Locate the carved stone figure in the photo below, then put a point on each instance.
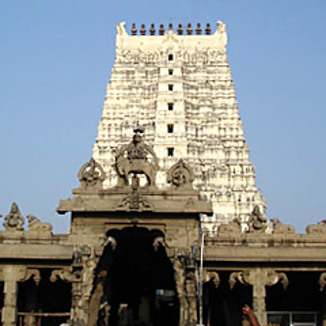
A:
(221, 27)
(180, 175)
(221, 31)
(133, 158)
(257, 221)
(111, 241)
(317, 229)
(34, 224)
(91, 175)
(121, 30)
(77, 256)
(211, 276)
(15, 220)
(134, 201)
(158, 241)
(280, 228)
(234, 277)
(234, 227)
(66, 275)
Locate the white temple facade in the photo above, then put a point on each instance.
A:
(177, 85)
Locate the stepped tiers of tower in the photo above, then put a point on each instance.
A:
(179, 88)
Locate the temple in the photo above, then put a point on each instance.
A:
(139, 252)
(178, 86)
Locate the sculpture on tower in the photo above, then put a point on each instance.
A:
(91, 175)
(14, 220)
(137, 158)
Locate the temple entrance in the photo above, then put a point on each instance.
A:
(136, 279)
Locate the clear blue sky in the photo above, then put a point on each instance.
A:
(56, 58)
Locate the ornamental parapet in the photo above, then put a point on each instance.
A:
(272, 242)
(136, 166)
(154, 41)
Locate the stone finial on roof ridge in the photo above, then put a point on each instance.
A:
(91, 175)
(121, 30)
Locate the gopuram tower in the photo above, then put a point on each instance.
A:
(177, 86)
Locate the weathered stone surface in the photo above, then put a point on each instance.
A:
(318, 229)
(257, 222)
(91, 176)
(233, 227)
(259, 278)
(36, 251)
(280, 228)
(11, 275)
(34, 224)
(133, 159)
(14, 220)
(181, 176)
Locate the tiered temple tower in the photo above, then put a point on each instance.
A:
(177, 85)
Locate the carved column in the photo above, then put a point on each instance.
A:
(180, 281)
(191, 297)
(69, 276)
(80, 275)
(186, 287)
(259, 278)
(11, 275)
(87, 286)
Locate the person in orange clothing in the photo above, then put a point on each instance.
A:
(247, 311)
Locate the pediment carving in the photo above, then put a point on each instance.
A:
(181, 176)
(91, 175)
(134, 201)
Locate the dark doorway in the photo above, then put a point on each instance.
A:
(139, 282)
(302, 303)
(46, 304)
(223, 305)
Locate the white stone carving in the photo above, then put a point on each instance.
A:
(207, 130)
(121, 29)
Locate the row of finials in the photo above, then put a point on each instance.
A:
(161, 30)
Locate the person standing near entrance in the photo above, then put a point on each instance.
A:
(247, 312)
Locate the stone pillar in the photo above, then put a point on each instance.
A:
(191, 297)
(70, 276)
(9, 311)
(11, 275)
(186, 287)
(81, 277)
(259, 278)
(180, 280)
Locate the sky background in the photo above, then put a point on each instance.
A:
(55, 62)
